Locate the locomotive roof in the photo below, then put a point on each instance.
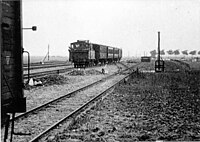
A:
(87, 41)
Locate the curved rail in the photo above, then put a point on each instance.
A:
(185, 65)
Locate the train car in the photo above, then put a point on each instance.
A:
(12, 95)
(120, 54)
(100, 53)
(116, 54)
(82, 54)
(110, 54)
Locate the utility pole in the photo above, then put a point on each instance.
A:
(48, 52)
(158, 47)
(47, 55)
(159, 64)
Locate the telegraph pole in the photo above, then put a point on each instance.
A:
(48, 52)
(158, 47)
(159, 64)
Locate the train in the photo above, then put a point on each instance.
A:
(12, 93)
(83, 53)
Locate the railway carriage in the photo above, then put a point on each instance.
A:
(83, 53)
(110, 54)
(116, 54)
(100, 53)
(12, 96)
(120, 54)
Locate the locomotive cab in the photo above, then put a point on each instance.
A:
(81, 53)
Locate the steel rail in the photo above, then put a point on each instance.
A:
(45, 66)
(37, 74)
(46, 63)
(35, 139)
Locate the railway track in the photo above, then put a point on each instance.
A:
(68, 103)
(80, 108)
(46, 66)
(38, 70)
(43, 73)
(185, 66)
(55, 71)
(45, 63)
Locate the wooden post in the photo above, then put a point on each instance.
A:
(48, 52)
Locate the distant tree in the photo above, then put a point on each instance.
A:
(185, 52)
(193, 52)
(199, 52)
(153, 53)
(176, 52)
(162, 52)
(170, 52)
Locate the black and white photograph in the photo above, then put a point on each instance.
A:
(100, 70)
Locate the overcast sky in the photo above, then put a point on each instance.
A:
(132, 25)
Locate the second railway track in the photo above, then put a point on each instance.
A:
(43, 73)
(45, 66)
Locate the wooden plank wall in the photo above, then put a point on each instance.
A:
(11, 52)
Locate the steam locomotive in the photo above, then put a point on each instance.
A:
(83, 54)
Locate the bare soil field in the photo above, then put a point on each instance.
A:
(194, 65)
(148, 107)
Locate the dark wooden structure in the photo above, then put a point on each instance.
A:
(12, 96)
